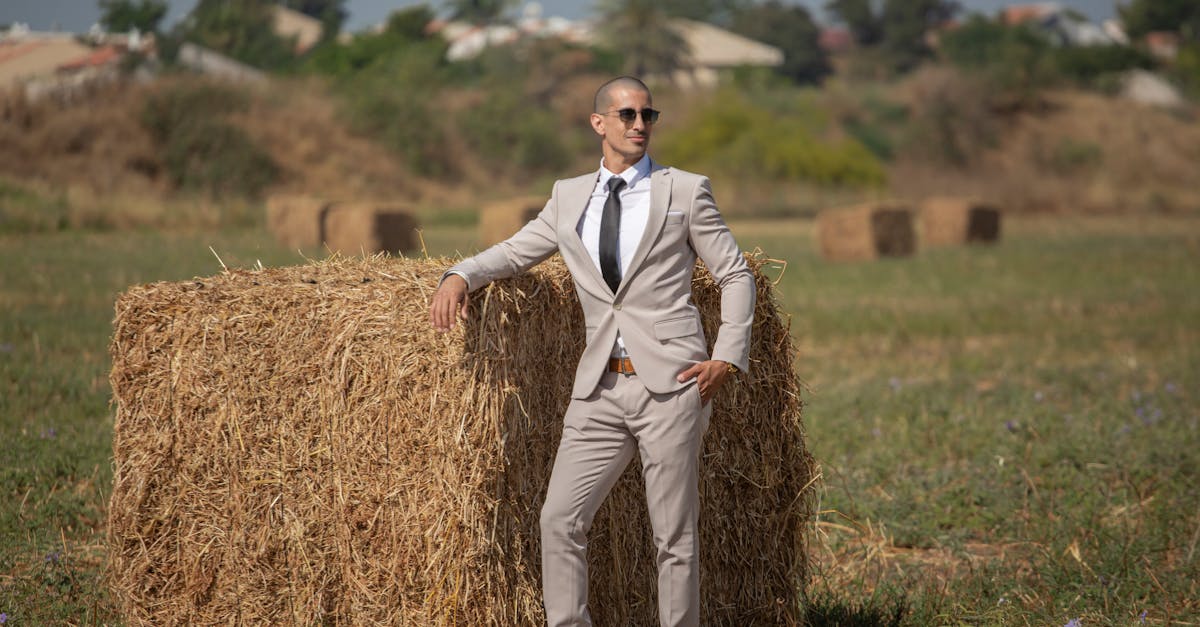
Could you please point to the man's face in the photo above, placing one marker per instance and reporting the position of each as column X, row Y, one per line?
column 626, row 140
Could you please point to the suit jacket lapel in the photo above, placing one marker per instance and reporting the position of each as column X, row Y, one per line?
column 573, row 199
column 660, row 199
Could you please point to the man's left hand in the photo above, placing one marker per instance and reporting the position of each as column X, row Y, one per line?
column 709, row 376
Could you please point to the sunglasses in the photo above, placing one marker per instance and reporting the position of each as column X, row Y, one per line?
column 649, row 116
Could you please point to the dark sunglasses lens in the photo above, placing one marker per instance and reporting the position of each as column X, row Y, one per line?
column 627, row 115
column 649, row 116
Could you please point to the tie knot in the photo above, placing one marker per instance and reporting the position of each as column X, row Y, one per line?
column 615, row 184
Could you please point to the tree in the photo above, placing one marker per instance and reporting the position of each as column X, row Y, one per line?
column 715, row 11
column 791, row 29
column 119, row 16
column 859, row 16
column 478, row 11
column 332, row 13
column 905, row 24
column 1144, row 16
column 241, row 29
column 641, row 31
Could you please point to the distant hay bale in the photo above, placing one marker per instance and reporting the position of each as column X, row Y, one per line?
column 956, row 221
column 499, row 220
column 865, row 232
column 359, row 227
column 296, row 220
column 296, row 446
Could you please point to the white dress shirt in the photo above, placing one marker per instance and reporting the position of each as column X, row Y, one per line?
column 635, row 212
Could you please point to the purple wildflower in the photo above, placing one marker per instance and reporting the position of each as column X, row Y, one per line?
column 1142, row 618
column 1074, row 622
column 1011, row 425
column 1171, row 388
column 53, row 557
column 6, row 347
column 3, row 617
column 895, row 383
column 49, row 433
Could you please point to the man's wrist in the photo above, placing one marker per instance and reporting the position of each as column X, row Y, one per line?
column 731, row 368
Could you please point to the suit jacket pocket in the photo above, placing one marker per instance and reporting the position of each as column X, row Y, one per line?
column 676, row 327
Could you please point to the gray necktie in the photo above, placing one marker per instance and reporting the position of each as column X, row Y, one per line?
column 610, row 227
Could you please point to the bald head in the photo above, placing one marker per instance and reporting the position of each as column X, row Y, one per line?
column 604, row 94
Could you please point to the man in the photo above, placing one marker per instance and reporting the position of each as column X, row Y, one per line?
column 630, row 234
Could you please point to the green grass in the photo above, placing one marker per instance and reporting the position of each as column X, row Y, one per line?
column 1009, row 434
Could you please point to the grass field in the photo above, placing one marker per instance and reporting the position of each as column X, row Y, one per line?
column 1009, row 435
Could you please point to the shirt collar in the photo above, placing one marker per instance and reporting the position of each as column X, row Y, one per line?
column 632, row 175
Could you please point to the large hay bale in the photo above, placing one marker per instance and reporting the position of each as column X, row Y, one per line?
column 296, row 221
column 947, row 221
column 361, row 227
column 499, row 220
column 865, row 232
column 297, row 446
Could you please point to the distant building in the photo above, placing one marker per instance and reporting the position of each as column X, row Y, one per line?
column 1064, row 26
column 63, row 65
column 291, row 24
column 1163, row 44
column 835, row 40
column 712, row 49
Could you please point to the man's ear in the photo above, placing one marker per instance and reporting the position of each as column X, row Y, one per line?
column 597, row 121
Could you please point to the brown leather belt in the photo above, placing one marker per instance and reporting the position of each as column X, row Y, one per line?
column 623, row 366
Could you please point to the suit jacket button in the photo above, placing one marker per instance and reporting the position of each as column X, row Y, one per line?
column 617, row 306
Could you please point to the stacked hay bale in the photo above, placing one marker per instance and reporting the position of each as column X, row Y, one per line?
column 349, row 228
column 946, row 221
column 499, row 220
column 297, row 221
column 865, row 232
column 297, row 446
column 356, row 228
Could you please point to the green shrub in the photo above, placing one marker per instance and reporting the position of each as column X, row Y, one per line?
column 1013, row 61
column 1085, row 64
column 201, row 151
column 739, row 137
column 218, row 158
column 513, row 137
column 1186, row 69
column 182, row 104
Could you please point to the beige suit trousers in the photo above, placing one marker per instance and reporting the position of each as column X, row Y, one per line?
column 601, row 433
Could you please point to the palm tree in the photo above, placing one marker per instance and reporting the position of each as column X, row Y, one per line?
column 642, row 32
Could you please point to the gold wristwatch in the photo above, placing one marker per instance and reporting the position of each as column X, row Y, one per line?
column 732, row 369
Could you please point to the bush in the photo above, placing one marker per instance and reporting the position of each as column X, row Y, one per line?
column 513, row 137
column 181, row 104
column 1013, row 61
column 201, row 151
column 218, row 158
column 952, row 116
column 393, row 100
column 752, row 141
column 1085, row 64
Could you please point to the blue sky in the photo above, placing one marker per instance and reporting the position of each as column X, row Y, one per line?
column 78, row 15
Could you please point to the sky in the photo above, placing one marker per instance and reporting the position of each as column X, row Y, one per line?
column 78, row 15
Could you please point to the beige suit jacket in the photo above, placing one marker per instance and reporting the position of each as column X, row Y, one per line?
column 652, row 307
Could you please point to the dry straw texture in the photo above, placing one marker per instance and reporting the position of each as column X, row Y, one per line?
column 499, row 220
column 948, row 221
column 296, row 446
column 865, row 232
column 297, row 221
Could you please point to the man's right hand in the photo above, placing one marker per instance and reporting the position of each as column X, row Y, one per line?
column 450, row 302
